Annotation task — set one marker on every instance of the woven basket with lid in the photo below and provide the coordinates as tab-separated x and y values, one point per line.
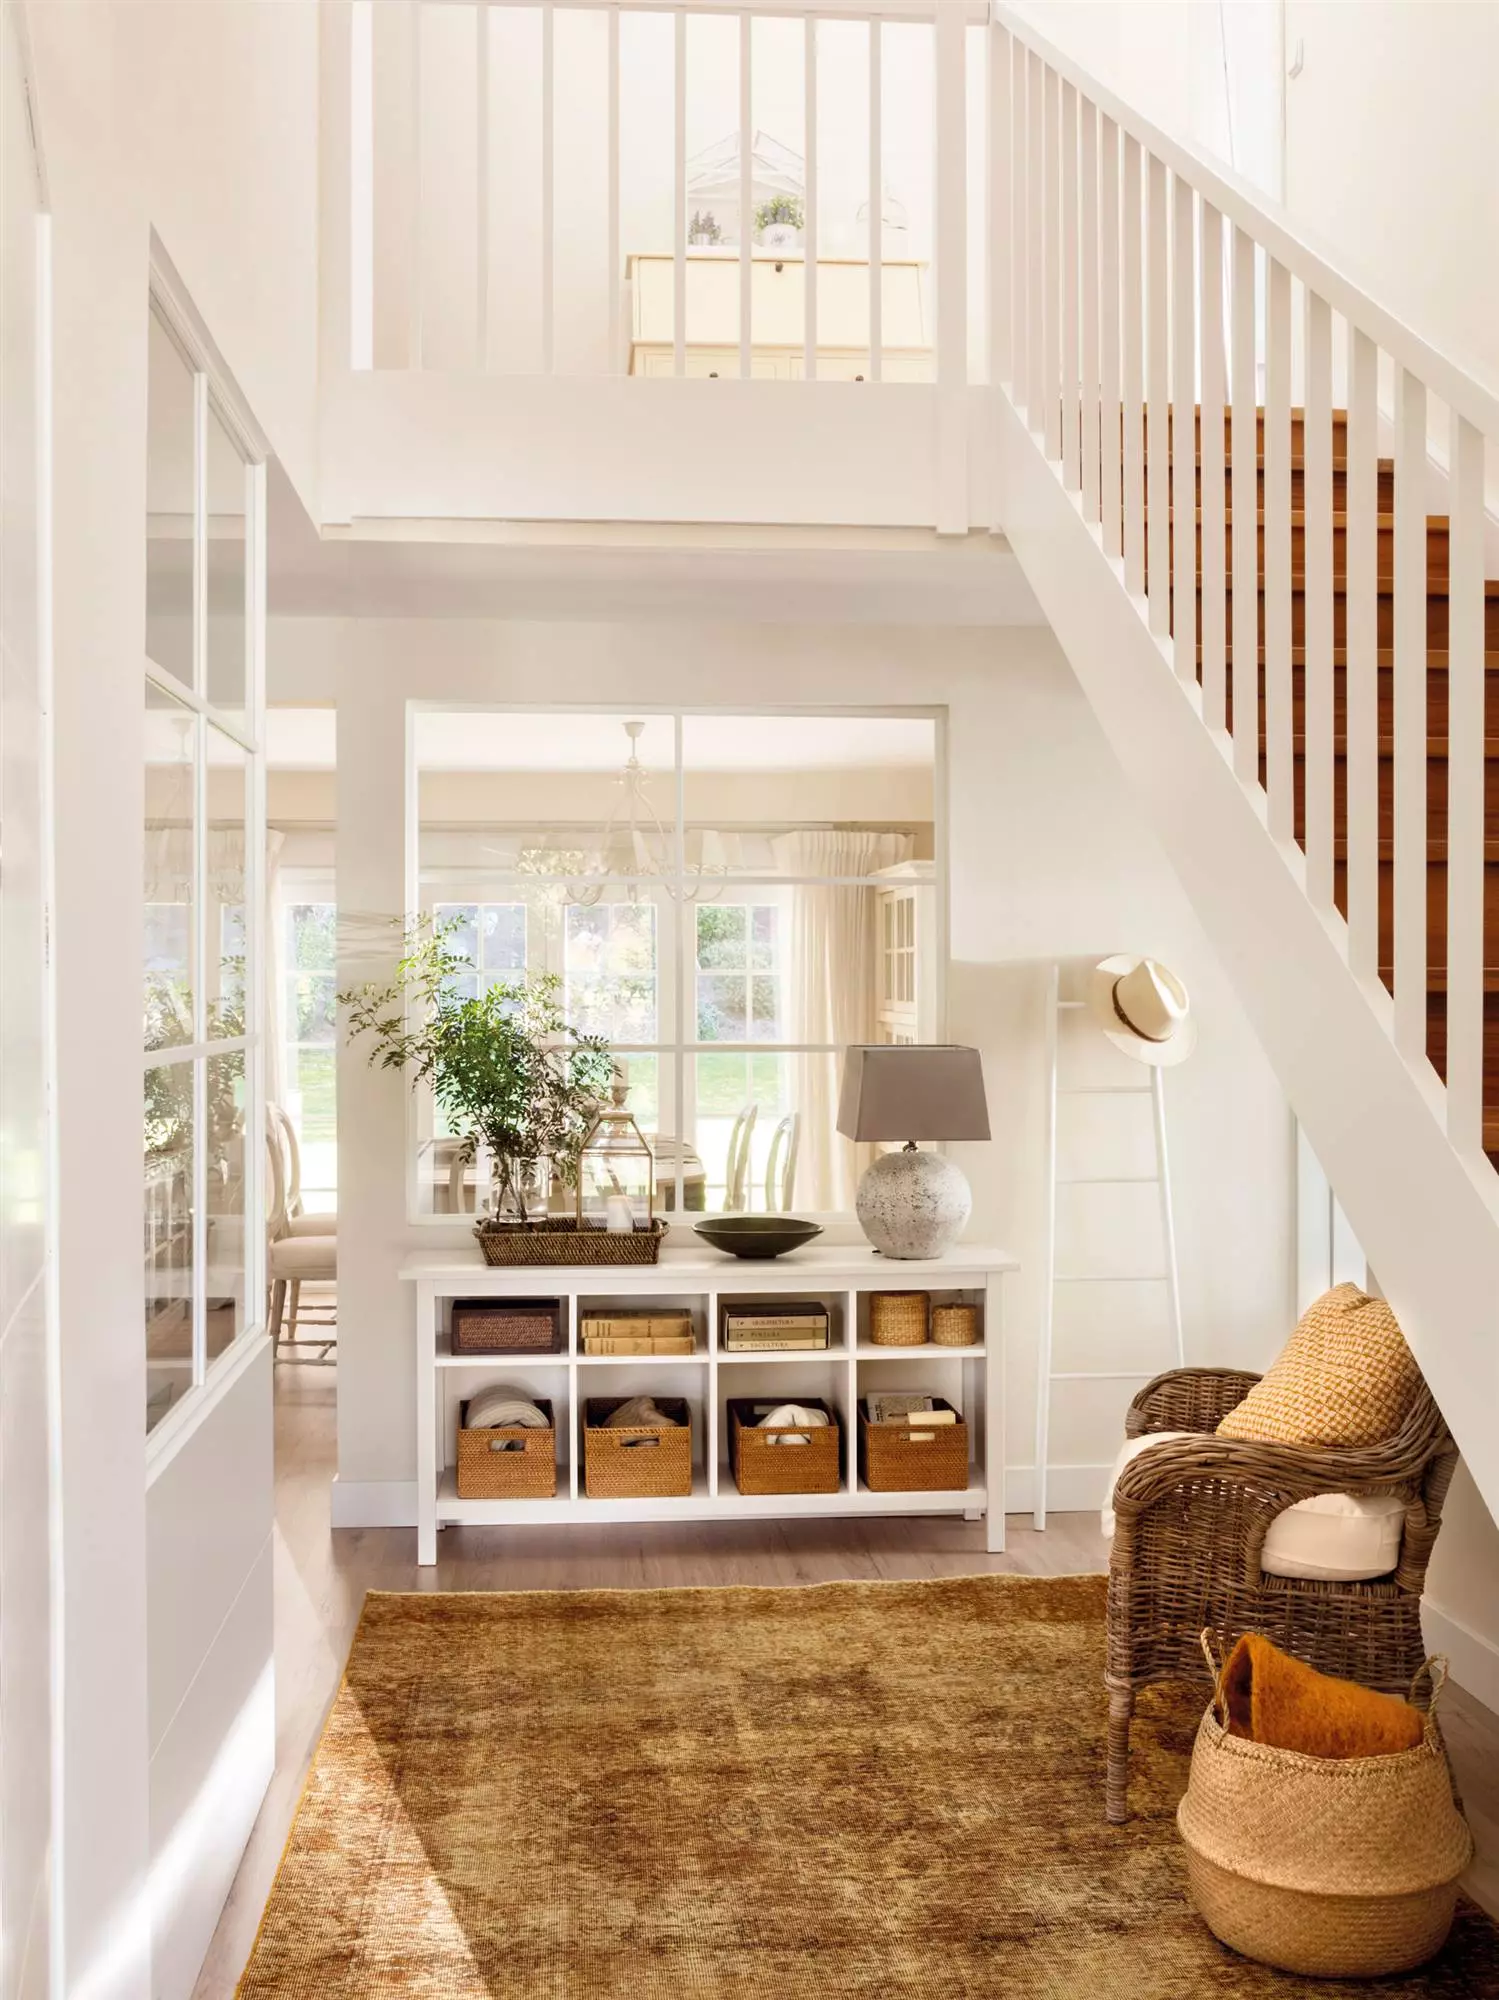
1337	1867
898	1319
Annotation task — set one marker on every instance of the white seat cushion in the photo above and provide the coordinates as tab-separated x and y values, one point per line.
304	1257
1331	1538
312	1225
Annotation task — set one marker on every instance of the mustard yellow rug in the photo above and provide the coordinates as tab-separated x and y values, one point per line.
864	1789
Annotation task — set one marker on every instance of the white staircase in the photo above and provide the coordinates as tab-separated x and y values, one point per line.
1130	279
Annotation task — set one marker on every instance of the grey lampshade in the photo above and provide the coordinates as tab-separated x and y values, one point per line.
926	1091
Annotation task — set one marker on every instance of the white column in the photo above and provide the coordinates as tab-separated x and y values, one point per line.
952	275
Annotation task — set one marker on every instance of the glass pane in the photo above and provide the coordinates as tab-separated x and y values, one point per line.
313	997
225	1284
228	486
459	923
775	795
168	1245
721	937
740	1103
311	928
504	937
563	798
171	817
225	966
611	971
721	1007
170	460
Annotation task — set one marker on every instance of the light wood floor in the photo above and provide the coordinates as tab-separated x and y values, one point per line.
321	1578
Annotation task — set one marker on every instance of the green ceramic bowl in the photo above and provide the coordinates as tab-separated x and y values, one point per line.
756	1235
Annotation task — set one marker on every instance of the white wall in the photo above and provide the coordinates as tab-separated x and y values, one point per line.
1390	156
1381	147
212	1716
198	120
1048	857
1204	73
27	1321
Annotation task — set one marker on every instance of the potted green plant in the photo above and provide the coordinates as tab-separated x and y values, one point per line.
506	1067
779	221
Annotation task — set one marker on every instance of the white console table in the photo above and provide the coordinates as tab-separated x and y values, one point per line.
702	1280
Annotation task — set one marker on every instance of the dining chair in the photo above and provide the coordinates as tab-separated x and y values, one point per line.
736	1166
293	1259
298	1222
780	1168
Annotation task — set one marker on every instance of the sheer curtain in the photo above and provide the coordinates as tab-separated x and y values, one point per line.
831	992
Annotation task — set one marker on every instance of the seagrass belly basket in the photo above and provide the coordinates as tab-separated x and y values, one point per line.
1341	1868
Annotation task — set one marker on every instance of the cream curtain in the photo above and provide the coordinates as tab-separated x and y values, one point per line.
831	993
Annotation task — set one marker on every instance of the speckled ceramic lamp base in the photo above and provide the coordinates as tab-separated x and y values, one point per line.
913	1204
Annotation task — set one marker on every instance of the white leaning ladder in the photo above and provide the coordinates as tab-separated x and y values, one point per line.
1046	1374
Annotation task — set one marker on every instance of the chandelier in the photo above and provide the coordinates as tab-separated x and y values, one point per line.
632	841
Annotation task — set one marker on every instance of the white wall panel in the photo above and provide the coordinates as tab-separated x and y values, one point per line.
27	1710
208	1517
209	1773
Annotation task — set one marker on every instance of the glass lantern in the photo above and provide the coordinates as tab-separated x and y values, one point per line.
616	1169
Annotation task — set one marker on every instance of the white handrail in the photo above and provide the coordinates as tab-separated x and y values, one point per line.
1279	236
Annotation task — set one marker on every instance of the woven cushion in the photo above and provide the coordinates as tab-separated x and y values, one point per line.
1345	1377
1331	1538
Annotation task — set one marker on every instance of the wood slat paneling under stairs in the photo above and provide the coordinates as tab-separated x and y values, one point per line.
1437	744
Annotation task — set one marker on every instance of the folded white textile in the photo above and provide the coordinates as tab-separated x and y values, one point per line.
787	1415
497	1408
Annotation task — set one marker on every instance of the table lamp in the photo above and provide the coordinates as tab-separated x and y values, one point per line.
910	1203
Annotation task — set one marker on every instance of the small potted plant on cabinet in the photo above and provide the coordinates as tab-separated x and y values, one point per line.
510	1074
779	222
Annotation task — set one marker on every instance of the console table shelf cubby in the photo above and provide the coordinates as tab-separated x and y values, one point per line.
701	1282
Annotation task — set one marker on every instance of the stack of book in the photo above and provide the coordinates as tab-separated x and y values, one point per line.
645	1331
899	1407
788	1326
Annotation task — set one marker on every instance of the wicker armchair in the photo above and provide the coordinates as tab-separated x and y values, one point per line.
1191	1522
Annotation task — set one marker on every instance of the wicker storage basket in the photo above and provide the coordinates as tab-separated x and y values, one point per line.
899	1319
762	1464
904	1458
506	1326
648	1463
1341	1868
507	1462
955	1325
557	1239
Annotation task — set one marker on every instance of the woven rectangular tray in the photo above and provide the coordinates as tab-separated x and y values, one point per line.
557	1239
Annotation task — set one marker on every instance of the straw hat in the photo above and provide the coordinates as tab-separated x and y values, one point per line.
1143	1008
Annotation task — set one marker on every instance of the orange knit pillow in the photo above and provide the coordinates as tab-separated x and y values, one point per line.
1345	1377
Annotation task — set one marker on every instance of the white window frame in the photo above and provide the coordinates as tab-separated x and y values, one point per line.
680	958
214	392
